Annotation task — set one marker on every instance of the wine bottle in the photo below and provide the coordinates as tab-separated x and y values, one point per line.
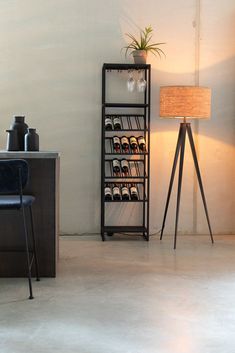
116	143
133	143
116	192
107	193
125	143
142	144
108	123
125	192
125	166
117	123
134	192
116	166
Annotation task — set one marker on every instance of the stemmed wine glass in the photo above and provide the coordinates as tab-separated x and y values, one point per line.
141	83
130	81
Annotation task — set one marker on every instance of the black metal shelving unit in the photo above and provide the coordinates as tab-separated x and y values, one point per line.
135	123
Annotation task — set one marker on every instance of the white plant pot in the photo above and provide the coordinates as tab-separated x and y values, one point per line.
140	56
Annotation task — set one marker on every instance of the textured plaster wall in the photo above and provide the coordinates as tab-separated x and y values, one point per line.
50	69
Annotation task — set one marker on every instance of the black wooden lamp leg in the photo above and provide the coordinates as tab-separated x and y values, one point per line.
172	178
190	136
180	180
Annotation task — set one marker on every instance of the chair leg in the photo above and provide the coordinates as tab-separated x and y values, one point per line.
27	253
34	245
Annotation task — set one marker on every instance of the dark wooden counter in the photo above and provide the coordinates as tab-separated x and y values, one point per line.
44	185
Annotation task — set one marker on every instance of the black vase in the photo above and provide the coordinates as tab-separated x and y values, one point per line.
21	127
31	140
12	141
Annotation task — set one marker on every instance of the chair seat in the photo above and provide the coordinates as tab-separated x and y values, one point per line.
13	201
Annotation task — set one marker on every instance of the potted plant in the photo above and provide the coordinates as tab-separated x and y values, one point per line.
139	48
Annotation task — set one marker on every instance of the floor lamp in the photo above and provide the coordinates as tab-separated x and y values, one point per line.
184	102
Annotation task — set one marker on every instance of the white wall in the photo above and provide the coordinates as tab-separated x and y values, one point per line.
52	52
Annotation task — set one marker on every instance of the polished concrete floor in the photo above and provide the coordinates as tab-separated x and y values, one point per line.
126	296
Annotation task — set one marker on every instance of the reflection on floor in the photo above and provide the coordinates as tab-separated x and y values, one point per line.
126	296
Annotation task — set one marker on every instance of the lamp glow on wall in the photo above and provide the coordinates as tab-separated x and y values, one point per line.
184	102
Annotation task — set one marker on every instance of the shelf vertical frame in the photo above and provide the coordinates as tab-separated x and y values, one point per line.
144	229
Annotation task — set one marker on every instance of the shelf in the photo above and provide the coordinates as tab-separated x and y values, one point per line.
123	182
125	154
109	150
126	229
110	66
125	105
136	170
134	114
129	122
122	130
116	178
138	185
127	201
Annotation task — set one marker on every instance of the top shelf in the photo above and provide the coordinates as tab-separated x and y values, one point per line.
125	105
110	66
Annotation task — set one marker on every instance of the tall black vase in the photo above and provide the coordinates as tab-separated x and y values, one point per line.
21	127
31	140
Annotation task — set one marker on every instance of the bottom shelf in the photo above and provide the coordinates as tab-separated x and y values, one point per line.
125	229
110	230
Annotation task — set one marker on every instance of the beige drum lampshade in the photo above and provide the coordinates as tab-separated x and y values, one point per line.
185	102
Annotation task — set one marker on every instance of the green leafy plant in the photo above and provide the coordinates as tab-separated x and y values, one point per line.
144	43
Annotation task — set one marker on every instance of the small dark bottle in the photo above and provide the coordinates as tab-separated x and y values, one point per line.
108	123
125	166
133	143
117	123
31	140
116	192
107	193
125	143
116	143
125	193
116	166
142	144
134	192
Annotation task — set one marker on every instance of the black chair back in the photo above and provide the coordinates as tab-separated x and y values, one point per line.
14	174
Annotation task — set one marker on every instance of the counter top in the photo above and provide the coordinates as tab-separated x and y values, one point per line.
27	155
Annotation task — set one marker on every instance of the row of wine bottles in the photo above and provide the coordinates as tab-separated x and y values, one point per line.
120	166
112	123
121	192
129	143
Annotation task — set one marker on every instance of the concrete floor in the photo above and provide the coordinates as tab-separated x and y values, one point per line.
126	296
